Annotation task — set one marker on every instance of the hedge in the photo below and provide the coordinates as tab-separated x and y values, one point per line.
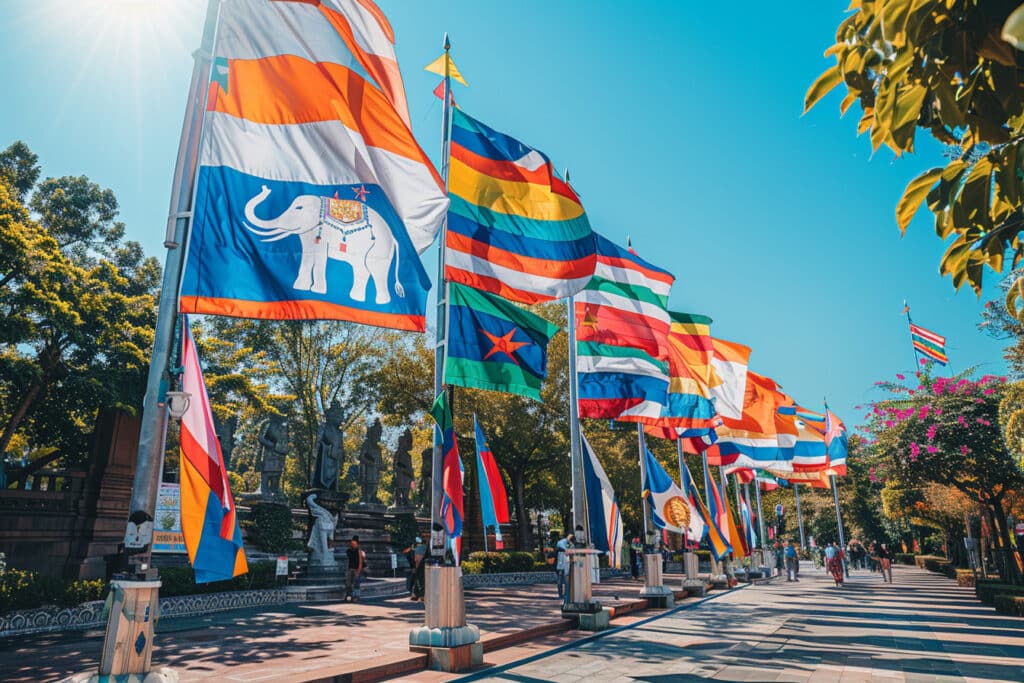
270	528
501	562
987	590
20	589
182	580
1007	603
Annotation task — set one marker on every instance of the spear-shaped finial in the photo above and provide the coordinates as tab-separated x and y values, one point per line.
566	174
447	43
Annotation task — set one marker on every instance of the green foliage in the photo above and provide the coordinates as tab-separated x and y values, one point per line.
501	562
942	67
181	580
270	528
403	530
20	589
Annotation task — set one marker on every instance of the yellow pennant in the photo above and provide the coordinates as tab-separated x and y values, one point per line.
438	67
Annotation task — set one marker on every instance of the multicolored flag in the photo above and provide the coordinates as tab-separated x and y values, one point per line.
445	66
209	521
313	199
622	326
494	344
689	405
602	507
747	515
836	439
729	381
929	344
671	507
762	437
493	498
809	451
718	544
514	228
452	510
769	482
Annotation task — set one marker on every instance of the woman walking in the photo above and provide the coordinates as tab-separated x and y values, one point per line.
834	556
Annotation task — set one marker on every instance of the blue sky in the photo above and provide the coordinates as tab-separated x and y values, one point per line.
680	122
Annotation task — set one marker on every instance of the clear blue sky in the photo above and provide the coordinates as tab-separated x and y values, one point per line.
680	123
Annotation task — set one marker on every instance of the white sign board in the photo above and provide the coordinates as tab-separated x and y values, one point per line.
167	536
282	566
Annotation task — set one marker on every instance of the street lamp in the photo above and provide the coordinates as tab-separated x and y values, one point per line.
178	403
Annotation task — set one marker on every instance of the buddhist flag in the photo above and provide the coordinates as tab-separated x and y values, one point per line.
514	228
209	521
452	510
493	498
313	199
689	406
761	437
602	507
729	381
719	514
929	344
494	344
718	544
836	439
622	326
670	506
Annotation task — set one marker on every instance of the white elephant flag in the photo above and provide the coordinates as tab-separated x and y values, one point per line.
314	199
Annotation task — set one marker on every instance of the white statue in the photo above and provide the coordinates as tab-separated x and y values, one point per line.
324	524
330	228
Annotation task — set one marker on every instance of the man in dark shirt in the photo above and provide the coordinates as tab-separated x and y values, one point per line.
356	564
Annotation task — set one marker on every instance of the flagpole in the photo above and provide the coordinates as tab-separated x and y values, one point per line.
579	510
799	515
760	512
835	490
643	499
441	337
917	357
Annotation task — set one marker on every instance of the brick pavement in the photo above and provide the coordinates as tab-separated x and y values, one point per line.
921	629
294	642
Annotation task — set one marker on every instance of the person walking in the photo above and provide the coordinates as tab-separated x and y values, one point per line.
419	570
780	558
562	549
885	562
636	556
834	556
356	565
792	561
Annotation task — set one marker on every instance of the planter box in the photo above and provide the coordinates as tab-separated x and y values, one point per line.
964	577
1010	604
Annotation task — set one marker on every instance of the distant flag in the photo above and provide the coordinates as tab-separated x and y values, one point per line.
494	344
836	439
439	93
209	520
809	451
622	326
717	508
445	66
493	498
452	510
671	507
761	438
603	510
729	381
769	482
718	544
929	344
313	198
748	523
690	351
515	228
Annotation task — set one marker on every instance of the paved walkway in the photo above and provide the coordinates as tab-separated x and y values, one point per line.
922	628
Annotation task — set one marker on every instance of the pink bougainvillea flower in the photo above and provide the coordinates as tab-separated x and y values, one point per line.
964	450
989	391
888	423
858	407
899	376
923	412
915	450
931	449
911	392
961	420
938	412
931	432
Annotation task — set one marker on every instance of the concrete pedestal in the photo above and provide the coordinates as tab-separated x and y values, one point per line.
655	591
453	645
581	605
690	566
594	621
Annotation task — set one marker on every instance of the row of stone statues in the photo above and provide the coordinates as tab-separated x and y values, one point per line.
365	473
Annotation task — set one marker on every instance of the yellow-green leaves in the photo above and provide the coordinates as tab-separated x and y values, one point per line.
826	81
915	193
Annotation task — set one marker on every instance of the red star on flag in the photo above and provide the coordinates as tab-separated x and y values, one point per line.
361	192
504	344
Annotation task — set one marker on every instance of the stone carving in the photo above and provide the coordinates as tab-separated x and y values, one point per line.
329	450
423	485
226	436
403	474
370	464
273	438
320	536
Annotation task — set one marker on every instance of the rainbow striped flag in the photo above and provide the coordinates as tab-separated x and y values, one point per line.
689	406
622	326
929	344
209	521
514	227
314	199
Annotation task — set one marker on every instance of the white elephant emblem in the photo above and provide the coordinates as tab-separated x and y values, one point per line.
331	228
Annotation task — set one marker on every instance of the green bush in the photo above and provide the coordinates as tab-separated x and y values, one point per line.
80	591
403	530
270	528
542	567
905	558
182	581
498	562
20	589
472	566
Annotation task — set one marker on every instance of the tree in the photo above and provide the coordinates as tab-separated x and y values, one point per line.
79	309
942	67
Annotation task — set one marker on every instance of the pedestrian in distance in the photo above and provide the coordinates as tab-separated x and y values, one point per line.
834	557
780	558
562	549
885	562
792	561
636	556
356	566
419	570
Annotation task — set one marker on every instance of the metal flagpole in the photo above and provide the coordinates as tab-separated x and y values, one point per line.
917	357
799	515
643	500
139	533
839	516
760	513
437	457
579	503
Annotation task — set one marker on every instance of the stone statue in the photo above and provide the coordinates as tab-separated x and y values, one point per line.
321	534
403	474
273	438
370	464
426	475
329	450
225	432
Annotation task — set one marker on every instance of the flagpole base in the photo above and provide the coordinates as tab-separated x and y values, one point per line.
133	608
159	674
451	644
